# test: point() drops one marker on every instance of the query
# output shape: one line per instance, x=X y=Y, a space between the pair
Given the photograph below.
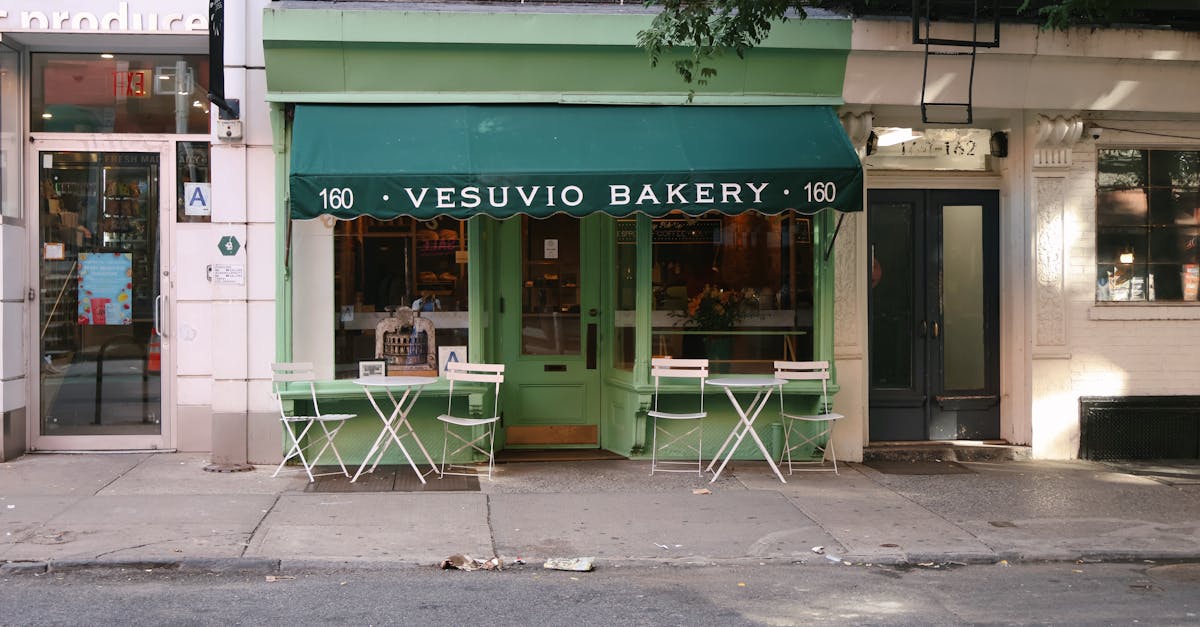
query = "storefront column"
x=1055 y=415
x=850 y=313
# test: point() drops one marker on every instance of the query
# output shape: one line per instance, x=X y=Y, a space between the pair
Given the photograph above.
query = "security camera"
x=1096 y=131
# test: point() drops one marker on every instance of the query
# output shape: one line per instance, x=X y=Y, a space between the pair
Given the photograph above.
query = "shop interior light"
x=1126 y=257
x=893 y=136
x=47 y=116
x=106 y=55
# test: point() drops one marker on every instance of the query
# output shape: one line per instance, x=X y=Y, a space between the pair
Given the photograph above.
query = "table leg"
x=375 y=446
x=735 y=436
x=755 y=411
x=746 y=425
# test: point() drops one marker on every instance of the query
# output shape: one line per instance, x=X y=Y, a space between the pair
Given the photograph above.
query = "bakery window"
x=737 y=290
x=381 y=268
x=1147 y=225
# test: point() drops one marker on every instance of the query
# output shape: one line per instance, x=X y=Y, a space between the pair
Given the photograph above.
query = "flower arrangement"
x=715 y=309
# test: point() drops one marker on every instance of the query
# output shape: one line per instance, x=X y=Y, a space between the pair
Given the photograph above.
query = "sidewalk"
x=164 y=510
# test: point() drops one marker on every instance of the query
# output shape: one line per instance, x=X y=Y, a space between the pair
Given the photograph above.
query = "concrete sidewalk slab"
x=146 y=527
x=596 y=477
x=66 y=474
x=873 y=524
x=183 y=473
x=374 y=527
x=725 y=525
x=1057 y=510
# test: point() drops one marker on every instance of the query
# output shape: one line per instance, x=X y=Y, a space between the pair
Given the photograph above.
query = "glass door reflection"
x=99 y=349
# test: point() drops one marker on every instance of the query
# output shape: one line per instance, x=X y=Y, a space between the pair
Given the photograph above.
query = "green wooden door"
x=550 y=331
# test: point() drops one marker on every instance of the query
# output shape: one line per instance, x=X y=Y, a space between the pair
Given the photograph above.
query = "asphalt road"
x=935 y=594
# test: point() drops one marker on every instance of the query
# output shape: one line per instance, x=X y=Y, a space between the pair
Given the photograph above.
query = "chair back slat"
x=479 y=377
x=476 y=373
x=802 y=370
x=666 y=367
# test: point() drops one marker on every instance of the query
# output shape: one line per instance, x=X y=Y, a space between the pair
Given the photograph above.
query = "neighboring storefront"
x=524 y=179
x=1047 y=284
x=104 y=133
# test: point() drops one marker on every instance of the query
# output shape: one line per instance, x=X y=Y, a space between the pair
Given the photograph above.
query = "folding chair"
x=300 y=372
x=668 y=368
x=479 y=373
x=793 y=422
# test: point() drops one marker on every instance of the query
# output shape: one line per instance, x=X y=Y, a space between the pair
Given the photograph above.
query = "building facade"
x=1008 y=276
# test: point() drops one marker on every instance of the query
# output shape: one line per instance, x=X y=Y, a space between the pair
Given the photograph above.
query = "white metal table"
x=395 y=424
x=762 y=387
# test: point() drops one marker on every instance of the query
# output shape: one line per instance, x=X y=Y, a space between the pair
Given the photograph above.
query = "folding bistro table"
x=761 y=386
x=396 y=424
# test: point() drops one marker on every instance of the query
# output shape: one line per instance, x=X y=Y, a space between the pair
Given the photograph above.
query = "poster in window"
x=105 y=289
x=803 y=231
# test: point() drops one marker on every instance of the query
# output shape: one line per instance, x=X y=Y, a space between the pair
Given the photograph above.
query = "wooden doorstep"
x=552 y=434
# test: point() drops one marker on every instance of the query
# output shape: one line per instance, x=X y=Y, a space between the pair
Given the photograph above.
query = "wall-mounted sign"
x=131 y=16
x=550 y=249
x=227 y=274
x=229 y=246
x=196 y=199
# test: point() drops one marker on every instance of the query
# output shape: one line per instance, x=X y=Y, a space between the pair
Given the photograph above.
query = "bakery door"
x=550 y=336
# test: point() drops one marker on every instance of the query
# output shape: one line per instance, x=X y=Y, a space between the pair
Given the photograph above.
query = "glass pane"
x=1174 y=168
x=1121 y=169
x=735 y=289
x=99 y=351
x=892 y=299
x=194 y=182
x=1121 y=207
x=962 y=297
x=382 y=266
x=125 y=93
x=550 y=321
x=1174 y=206
x=10 y=136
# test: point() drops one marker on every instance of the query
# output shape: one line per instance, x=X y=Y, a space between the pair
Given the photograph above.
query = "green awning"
x=502 y=160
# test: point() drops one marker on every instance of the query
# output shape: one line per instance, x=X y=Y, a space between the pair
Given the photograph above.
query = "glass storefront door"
x=102 y=217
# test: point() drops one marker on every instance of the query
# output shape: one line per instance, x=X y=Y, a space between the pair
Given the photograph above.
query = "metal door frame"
x=165 y=147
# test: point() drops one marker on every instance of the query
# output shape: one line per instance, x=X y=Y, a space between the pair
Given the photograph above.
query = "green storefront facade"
x=559 y=199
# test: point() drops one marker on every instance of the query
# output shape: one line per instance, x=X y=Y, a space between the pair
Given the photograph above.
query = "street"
x=773 y=594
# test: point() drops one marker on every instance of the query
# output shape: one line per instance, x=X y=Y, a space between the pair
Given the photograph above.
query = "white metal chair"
x=668 y=368
x=793 y=423
x=299 y=428
x=483 y=443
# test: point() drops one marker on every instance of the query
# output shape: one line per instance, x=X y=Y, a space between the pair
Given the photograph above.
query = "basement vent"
x=1139 y=427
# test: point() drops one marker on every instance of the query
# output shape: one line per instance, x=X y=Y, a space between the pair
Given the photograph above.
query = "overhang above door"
x=425 y=161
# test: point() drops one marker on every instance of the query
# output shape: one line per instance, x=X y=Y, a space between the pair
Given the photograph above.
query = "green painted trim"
x=381 y=54
x=644 y=300
x=289 y=26
x=765 y=100
x=283 y=279
x=477 y=309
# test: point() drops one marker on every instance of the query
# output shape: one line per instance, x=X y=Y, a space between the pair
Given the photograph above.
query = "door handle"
x=593 y=311
x=591 y=346
x=158 y=301
x=924 y=328
x=935 y=329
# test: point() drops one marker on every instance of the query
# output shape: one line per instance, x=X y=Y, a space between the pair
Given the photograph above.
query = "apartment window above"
x=1148 y=225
